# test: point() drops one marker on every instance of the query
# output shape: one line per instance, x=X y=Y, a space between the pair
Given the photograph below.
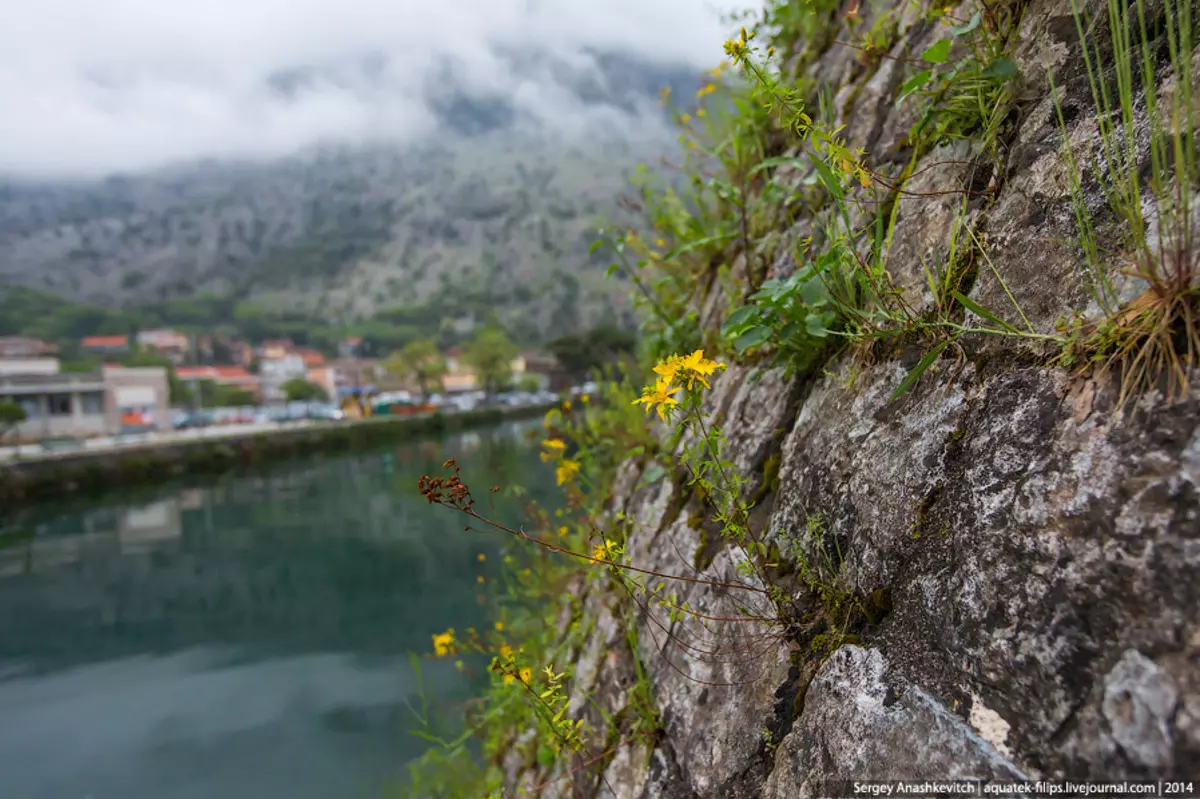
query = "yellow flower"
x=480 y=579
x=482 y=557
x=659 y=243
x=505 y=651
x=499 y=626
x=566 y=406
x=526 y=675
x=562 y=531
x=668 y=368
x=686 y=118
x=700 y=112
x=509 y=679
x=585 y=399
x=659 y=396
x=698 y=368
x=558 y=513
x=706 y=89
x=603 y=552
x=567 y=469
x=443 y=643
x=554 y=449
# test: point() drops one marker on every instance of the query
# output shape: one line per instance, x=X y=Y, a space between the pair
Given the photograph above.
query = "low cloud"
x=91 y=87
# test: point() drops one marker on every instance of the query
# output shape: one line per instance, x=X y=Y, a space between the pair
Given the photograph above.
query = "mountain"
x=496 y=212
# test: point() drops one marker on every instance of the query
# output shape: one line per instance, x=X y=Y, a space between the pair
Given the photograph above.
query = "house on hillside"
x=276 y=348
x=171 y=344
x=233 y=376
x=105 y=345
x=312 y=358
x=12 y=347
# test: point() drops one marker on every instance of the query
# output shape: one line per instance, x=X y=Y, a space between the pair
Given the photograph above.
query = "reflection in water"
x=241 y=638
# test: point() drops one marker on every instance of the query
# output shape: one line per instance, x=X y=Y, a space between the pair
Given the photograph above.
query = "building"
x=312 y=358
x=326 y=378
x=28 y=366
x=137 y=397
x=89 y=404
x=350 y=347
x=274 y=372
x=276 y=348
x=12 y=347
x=234 y=376
x=105 y=345
x=549 y=371
x=358 y=375
x=171 y=344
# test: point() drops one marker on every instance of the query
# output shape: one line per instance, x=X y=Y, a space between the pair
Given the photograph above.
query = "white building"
x=274 y=372
x=86 y=404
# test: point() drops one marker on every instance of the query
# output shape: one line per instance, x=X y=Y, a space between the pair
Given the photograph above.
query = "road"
x=101 y=443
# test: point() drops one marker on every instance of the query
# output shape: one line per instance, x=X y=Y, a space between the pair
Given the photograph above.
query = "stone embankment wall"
x=1034 y=557
x=148 y=462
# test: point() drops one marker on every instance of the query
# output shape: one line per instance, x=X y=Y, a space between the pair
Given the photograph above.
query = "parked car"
x=297 y=410
x=330 y=413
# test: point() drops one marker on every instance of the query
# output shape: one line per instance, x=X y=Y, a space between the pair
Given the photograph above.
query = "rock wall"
x=1033 y=555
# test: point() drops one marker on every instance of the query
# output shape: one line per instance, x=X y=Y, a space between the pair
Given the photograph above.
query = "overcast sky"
x=93 y=86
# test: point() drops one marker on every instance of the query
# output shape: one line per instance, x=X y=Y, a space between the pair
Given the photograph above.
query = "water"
x=248 y=637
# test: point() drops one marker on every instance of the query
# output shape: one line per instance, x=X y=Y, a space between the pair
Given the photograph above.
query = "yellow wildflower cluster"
x=443 y=643
x=739 y=49
x=660 y=397
x=554 y=449
x=566 y=471
x=604 y=551
x=693 y=368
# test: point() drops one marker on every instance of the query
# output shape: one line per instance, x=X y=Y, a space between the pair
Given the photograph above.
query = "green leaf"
x=970 y=26
x=780 y=161
x=739 y=317
x=938 y=52
x=789 y=330
x=597 y=244
x=828 y=178
x=611 y=268
x=816 y=327
x=1001 y=69
x=979 y=310
x=912 y=84
x=654 y=472
x=752 y=338
x=915 y=373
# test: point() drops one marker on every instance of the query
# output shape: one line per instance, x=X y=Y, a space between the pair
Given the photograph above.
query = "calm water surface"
x=247 y=637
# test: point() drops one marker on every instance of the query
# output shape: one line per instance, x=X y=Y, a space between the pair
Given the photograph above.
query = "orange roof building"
x=105 y=343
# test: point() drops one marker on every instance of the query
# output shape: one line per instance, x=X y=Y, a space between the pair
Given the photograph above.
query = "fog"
x=90 y=87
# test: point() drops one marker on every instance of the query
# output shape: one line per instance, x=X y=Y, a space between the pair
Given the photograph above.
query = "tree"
x=490 y=354
x=11 y=415
x=230 y=397
x=299 y=389
x=529 y=384
x=421 y=361
x=581 y=353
